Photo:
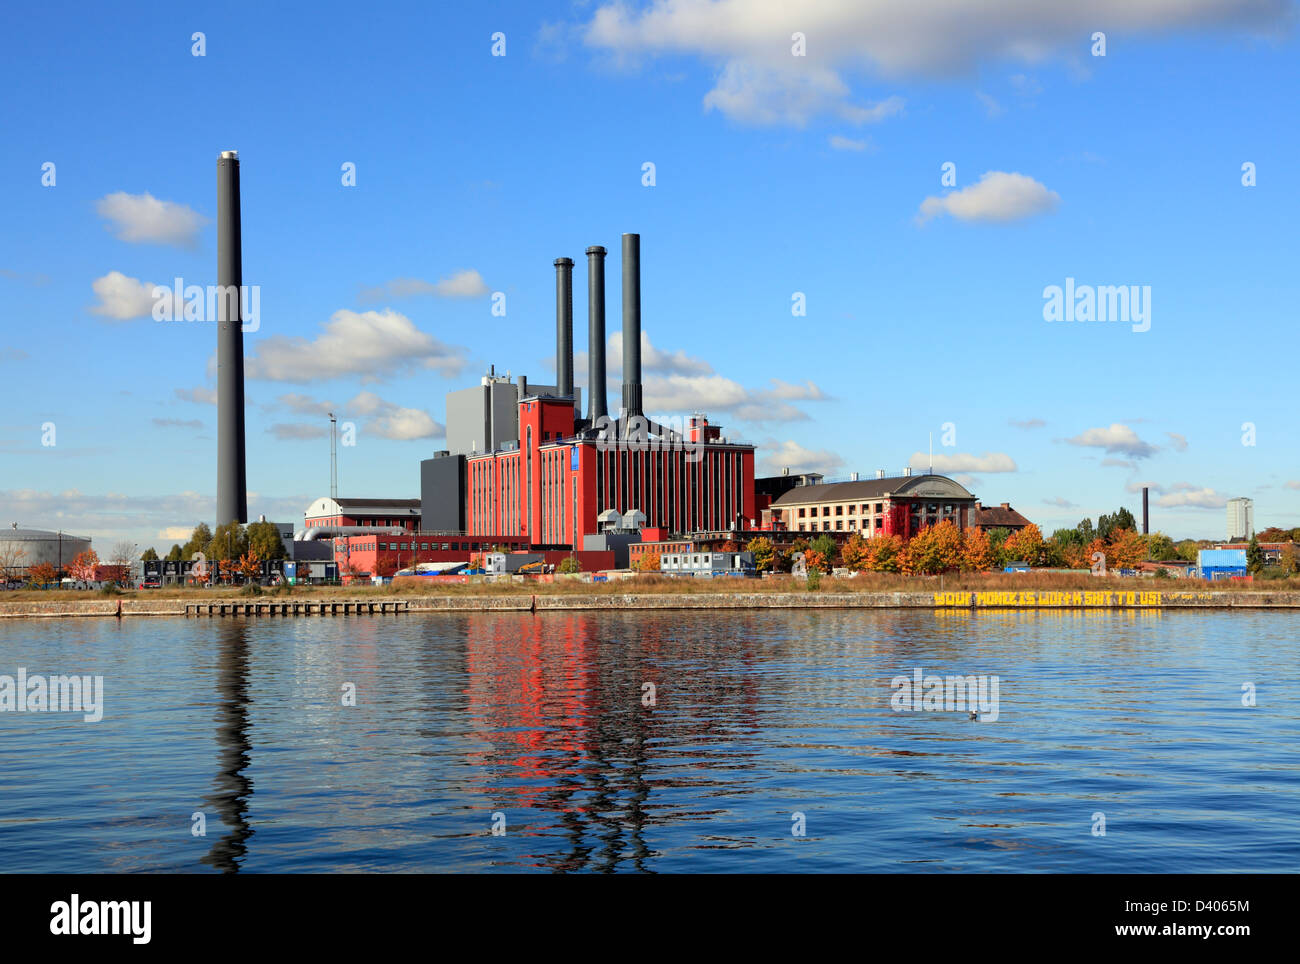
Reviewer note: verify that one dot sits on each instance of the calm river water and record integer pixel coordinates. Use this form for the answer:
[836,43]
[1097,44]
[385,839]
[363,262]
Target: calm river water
[762,724]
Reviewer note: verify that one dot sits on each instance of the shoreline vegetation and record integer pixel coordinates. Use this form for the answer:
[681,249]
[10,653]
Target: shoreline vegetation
[866,590]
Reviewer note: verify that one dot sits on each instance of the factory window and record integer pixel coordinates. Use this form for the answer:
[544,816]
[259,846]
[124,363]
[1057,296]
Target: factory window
[826,527]
[801,513]
[853,523]
[839,510]
[866,507]
[853,509]
[424,546]
[839,524]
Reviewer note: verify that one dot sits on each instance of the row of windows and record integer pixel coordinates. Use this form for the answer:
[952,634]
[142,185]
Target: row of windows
[425,546]
[673,491]
[839,509]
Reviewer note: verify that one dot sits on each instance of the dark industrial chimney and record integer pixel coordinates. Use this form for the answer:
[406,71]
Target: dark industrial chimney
[232,482]
[564,327]
[596,401]
[1146,518]
[631,325]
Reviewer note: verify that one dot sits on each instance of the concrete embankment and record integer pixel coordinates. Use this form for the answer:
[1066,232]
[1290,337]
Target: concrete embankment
[952,600]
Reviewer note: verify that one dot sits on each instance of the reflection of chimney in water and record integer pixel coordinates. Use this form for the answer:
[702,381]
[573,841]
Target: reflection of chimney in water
[232,788]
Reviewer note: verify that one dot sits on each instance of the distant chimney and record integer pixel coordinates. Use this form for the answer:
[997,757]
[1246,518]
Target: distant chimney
[853,476]
[564,327]
[786,470]
[596,400]
[1006,505]
[1146,516]
[907,471]
[880,473]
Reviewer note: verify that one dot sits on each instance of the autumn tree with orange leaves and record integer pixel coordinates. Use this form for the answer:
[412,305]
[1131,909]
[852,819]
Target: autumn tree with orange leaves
[1026,545]
[885,553]
[250,565]
[1127,549]
[977,551]
[935,549]
[83,565]
[855,553]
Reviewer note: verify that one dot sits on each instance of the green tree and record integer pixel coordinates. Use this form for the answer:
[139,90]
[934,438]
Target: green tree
[176,554]
[1086,531]
[764,553]
[1108,525]
[149,555]
[228,543]
[570,564]
[264,537]
[1254,555]
[826,547]
[1160,548]
[199,541]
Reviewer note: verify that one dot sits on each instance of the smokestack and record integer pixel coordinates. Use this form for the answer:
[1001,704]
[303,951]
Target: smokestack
[232,482]
[596,401]
[631,325]
[564,326]
[1146,517]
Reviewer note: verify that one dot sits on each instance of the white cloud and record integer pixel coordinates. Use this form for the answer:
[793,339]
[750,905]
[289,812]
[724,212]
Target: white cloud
[391,421]
[1117,439]
[652,359]
[963,462]
[1060,503]
[200,395]
[1293,484]
[790,454]
[991,107]
[462,284]
[675,382]
[1179,441]
[1194,498]
[748,43]
[372,344]
[144,218]
[177,423]
[840,143]
[998,196]
[303,404]
[297,431]
[1026,423]
[147,519]
[123,299]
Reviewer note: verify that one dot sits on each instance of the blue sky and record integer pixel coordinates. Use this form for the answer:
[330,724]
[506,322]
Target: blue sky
[774,174]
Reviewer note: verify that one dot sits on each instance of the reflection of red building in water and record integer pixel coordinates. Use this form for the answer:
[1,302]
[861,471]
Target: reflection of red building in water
[559,700]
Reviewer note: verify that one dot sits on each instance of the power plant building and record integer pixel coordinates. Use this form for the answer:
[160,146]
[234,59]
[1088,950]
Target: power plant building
[525,470]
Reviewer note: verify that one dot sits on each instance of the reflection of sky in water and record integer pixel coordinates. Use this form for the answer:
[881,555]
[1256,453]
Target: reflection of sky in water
[540,718]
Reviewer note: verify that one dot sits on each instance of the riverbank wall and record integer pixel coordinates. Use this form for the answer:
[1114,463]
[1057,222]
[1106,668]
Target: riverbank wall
[522,602]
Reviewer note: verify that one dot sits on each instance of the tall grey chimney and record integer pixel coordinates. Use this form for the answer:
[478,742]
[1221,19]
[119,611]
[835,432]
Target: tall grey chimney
[564,326]
[631,325]
[1146,518]
[596,401]
[232,482]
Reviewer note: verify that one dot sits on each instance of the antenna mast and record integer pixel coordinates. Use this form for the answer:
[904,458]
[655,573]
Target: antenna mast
[334,457]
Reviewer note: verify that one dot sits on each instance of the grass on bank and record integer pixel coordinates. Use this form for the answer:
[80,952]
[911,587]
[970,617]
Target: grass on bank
[658,584]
